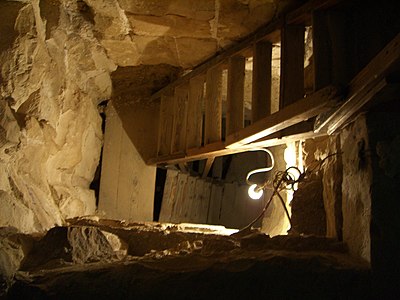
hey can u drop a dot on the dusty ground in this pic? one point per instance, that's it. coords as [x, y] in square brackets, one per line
[108, 259]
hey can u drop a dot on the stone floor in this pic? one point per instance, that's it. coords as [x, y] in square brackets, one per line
[103, 259]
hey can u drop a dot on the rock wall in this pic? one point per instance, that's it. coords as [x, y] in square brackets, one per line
[56, 58]
[53, 76]
[346, 171]
[176, 32]
[384, 146]
[356, 188]
[325, 154]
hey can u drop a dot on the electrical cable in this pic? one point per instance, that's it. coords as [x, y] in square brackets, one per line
[261, 170]
[289, 181]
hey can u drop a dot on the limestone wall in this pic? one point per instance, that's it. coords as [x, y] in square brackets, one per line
[356, 188]
[56, 57]
[53, 76]
[346, 184]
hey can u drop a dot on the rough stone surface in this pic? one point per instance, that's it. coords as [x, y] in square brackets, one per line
[190, 266]
[56, 57]
[53, 77]
[384, 142]
[74, 245]
[308, 212]
[356, 188]
[14, 247]
[180, 33]
[324, 154]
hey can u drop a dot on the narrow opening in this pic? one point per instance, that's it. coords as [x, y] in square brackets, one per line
[95, 184]
[275, 76]
[224, 92]
[308, 61]
[161, 175]
[203, 114]
[248, 90]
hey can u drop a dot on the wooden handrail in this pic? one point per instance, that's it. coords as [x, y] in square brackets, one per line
[185, 133]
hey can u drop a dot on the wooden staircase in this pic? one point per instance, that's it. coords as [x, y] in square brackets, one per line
[193, 125]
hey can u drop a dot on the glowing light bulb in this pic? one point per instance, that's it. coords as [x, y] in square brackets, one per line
[255, 192]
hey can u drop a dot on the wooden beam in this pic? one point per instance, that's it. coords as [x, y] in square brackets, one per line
[270, 32]
[329, 49]
[256, 134]
[206, 149]
[322, 54]
[220, 150]
[235, 95]
[297, 112]
[292, 65]
[180, 115]
[207, 167]
[213, 106]
[302, 15]
[195, 114]
[343, 114]
[177, 157]
[365, 85]
[387, 60]
[261, 91]
[166, 124]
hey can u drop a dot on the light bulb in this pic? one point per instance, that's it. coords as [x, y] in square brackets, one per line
[255, 192]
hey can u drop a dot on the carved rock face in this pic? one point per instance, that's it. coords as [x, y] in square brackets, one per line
[53, 76]
[56, 59]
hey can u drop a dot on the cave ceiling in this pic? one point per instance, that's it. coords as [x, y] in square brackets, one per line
[154, 41]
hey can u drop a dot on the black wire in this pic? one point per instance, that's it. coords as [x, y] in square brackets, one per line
[283, 181]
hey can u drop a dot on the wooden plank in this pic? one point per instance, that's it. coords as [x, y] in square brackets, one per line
[180, 196]
[194, 207]
[297, 112]
[213, 106]
[322, 53]
[195, 114]
[285, 139]
[204, 202]
[329, 49]
[261, 91]
[365, 85]
[292, 65]
[199, 207]
[134, 201]
[180, 116]
[214, 210]
[190, 199]
[165, 158]
[228, 206]
[183, 167]
[217, 168]
[168, 196]
[270, 32]
[166, 125]
[387, 60]
[302, 15]
[207, 148]
[206, 152]
[111, 162]
[235, 95]
[353, 105]
[207, 166]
